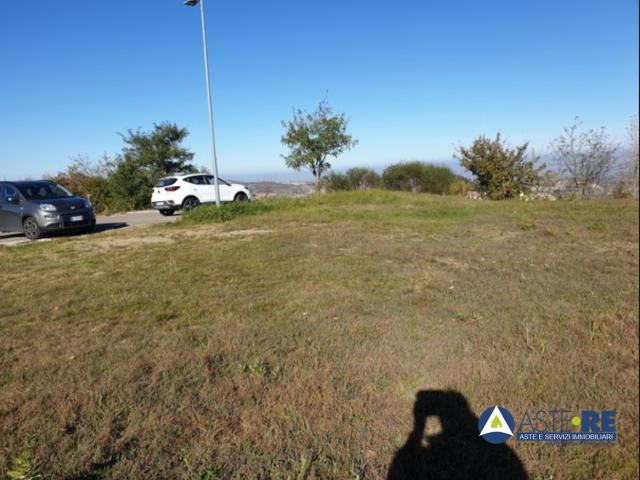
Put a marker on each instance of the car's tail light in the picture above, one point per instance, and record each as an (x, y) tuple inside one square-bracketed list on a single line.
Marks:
[(171, 189)]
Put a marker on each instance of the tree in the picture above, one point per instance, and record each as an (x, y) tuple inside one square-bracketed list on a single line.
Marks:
[(159, 152), (585, 158), (313, 137), (130, 185), (147, 157), (634, 155), (501, 172)]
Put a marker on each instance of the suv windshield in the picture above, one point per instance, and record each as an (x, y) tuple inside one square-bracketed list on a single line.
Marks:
[(165, 182), (43, 190)]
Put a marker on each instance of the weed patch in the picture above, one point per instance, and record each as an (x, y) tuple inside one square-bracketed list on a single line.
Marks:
[(225, 212)]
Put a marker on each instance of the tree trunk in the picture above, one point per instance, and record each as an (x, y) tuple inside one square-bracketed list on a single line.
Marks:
[(317, 172), (636, 180), (584, 190)]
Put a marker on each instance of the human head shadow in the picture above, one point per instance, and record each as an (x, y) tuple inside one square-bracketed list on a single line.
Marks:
[(457, 452)]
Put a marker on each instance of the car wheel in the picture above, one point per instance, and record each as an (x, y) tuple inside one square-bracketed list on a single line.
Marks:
[(190, 203), (166, 212), (241, 197), (31, 229), (90, 229)]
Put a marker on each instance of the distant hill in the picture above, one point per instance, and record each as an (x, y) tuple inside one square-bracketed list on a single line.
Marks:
[(263, 189)]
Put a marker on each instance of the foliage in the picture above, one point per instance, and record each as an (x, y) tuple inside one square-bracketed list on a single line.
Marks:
[(354, 179), (418, 177), (312, 137), (585, 158), (130, 185), (621, 189), (337, 181), (224, 213), (501, 172), (633, 160), (460, 187), (362, 178), (147, 157), (24, 468), (260, 369), (125, 182), (159, 152), (87, 180)]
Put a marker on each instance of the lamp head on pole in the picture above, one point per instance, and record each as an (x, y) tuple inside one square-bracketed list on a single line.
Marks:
[(191, 3)]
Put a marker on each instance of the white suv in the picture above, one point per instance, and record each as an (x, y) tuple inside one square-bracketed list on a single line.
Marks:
[(187, 191)]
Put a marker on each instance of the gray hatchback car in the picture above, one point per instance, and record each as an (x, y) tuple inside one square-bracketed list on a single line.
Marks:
[(39, 207)]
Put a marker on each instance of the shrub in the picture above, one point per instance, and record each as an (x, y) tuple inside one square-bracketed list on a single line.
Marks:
[(418, 177), (362, 178), (94, 188), (501, 172), (354, 179), (125, 182), (621, 189), (147, 157), (87, 180), (224, 213), (460, 187), (337, 181)]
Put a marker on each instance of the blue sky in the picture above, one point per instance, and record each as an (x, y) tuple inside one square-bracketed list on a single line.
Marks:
[(417, 78)]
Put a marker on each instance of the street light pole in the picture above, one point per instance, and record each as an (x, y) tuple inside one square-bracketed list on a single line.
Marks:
[(193, 3)]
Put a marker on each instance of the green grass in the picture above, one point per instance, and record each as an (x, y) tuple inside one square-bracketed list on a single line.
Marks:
[(224, 213), (290, 342)]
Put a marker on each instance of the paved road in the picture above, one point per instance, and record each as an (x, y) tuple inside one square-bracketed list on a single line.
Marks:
[(133, 219), (105, 223)]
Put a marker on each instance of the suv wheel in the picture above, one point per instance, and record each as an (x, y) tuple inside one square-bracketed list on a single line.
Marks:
[(241, 197), (31, 229), (166, 212), (190, 203)]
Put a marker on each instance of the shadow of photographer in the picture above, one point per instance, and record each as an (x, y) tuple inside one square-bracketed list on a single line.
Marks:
[(458, 451)]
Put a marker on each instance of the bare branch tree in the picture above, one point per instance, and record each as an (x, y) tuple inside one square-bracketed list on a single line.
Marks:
[(585, 158), (634, 154)]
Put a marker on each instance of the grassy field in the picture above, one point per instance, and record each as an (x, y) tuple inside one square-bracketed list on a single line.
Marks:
[(294, 343)]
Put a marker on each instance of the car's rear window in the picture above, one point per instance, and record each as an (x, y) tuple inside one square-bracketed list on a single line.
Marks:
[(165, 182)]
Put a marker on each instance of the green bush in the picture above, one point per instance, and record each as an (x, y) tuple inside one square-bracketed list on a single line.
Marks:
[(501, 172), (224, 213), (460, 187), (337, 181), (418, 177), (362, 178), (354, 179), (87, 180)]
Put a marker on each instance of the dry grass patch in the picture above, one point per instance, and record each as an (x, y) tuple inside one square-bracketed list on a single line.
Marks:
[(298, 354)]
